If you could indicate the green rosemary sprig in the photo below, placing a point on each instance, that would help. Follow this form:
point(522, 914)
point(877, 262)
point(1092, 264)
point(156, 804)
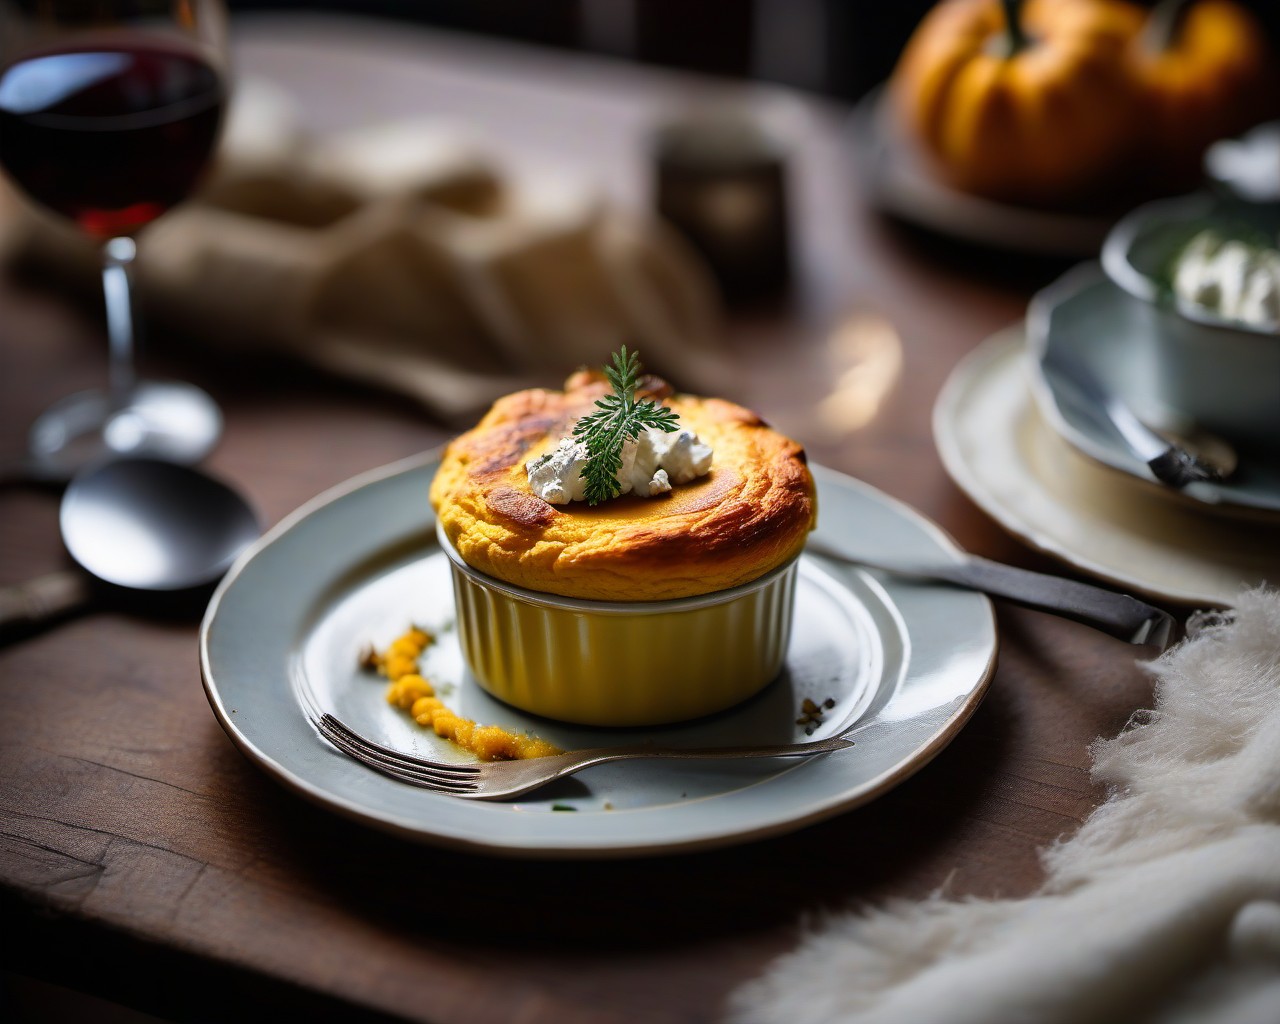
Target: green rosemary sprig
point(618, 418)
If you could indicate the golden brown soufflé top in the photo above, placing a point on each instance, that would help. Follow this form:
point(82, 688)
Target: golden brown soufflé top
point(750, 514)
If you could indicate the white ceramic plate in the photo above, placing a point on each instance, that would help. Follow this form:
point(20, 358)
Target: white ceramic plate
point(906, 662)
point(1002, 453)
point(899, 183)
point(1092, 320)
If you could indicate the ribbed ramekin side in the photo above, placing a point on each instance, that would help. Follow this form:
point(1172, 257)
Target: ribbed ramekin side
point(616, 670)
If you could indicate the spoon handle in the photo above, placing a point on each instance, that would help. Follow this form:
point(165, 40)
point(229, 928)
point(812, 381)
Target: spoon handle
point(25, 606)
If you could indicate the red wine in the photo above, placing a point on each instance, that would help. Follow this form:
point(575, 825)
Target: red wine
point(109, 137)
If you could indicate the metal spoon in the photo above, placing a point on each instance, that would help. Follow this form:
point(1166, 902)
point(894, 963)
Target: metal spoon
point(139, 524)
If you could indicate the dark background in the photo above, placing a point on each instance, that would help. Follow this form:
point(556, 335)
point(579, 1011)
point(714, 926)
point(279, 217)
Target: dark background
point(835, 47)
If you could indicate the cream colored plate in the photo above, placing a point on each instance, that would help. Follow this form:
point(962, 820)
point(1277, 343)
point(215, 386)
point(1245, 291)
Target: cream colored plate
point(905, 664)
point(997, 448)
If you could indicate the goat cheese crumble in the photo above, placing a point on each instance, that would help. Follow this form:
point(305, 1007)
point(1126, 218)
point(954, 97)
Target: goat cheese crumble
point(1234, 279)
point(651, 465)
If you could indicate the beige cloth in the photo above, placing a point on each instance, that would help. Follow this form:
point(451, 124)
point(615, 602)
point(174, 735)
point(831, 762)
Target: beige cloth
point(1163, 909)
point(398, 254)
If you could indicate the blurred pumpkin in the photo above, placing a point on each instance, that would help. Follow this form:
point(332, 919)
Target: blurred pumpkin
point(1025, 102)
point(1206, 73)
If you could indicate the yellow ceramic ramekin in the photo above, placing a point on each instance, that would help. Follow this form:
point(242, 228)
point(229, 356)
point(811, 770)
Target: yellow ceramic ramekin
point(622, 662)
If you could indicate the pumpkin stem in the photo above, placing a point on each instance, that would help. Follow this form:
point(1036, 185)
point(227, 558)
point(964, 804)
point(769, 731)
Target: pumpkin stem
point(1163, 25)
point(1016, 38)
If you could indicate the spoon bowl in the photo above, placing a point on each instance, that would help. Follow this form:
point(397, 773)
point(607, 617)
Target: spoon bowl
point(151, 525)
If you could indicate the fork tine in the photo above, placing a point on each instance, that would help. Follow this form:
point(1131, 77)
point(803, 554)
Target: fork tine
point(401, 770)
point(404, 766)
point(416, 776)
point(461, 770)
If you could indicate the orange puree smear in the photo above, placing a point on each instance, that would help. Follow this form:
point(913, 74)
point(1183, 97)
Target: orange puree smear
point(411, 692)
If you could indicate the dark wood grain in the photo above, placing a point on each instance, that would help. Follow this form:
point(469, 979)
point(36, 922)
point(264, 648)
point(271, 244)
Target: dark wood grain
point(143, 858)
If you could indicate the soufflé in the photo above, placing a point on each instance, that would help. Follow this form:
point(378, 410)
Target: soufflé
point(622, 555)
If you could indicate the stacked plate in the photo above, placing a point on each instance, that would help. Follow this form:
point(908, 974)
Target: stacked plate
point(1039, 459)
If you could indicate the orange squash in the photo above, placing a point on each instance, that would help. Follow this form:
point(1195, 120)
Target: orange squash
point(1028, 103)
point(1206, 73)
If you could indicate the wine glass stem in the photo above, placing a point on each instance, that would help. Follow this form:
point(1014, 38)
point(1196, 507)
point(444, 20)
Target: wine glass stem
point(117, 286)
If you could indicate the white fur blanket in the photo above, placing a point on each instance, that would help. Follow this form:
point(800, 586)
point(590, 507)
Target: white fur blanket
point(1164, 907)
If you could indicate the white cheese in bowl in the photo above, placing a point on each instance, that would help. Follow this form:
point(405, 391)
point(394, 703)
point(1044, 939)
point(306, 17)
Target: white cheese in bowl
point(651, 464)
point(1235, 280)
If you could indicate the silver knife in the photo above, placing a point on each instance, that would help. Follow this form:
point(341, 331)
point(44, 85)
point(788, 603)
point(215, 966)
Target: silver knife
point(1118, 615)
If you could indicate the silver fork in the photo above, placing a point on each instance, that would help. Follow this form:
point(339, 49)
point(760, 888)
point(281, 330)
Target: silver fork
point(493, 780)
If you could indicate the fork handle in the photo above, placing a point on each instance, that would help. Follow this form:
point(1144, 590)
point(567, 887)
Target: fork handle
point(587, 758)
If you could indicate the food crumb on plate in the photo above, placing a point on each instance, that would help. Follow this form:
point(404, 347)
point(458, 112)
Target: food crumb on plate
point(410, 691)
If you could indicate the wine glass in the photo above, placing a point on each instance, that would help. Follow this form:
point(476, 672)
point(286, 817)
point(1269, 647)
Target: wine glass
point(109, 113)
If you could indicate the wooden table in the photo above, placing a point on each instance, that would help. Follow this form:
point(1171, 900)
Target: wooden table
point(145, 860)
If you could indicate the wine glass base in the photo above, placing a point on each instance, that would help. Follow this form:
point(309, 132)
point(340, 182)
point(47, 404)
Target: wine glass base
point(164, 420)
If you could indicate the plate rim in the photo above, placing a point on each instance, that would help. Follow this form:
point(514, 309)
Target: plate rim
point(1003, 345)
point(955, 720)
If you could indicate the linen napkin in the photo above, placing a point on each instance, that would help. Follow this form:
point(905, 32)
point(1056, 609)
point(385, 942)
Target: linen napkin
point(399, 254)
point(1164, 907)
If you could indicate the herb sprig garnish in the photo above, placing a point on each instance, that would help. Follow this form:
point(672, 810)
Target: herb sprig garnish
point(618, 418)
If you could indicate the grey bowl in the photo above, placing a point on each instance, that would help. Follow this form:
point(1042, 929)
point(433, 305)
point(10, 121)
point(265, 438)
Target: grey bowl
point(1219, 374)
